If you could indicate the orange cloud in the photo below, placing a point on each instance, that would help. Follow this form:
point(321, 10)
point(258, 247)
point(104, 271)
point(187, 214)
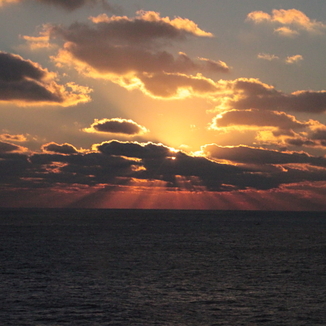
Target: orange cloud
point(16, 138)
point(117, 126)
point(292, 21)
point(294, 59)
point(177, 86)
point(42, 41)
point(289, 60)
point(129, 52)
point(259, 17)
point(266, 56)
point(286, 32)
point(26, 83)
point(178, 23)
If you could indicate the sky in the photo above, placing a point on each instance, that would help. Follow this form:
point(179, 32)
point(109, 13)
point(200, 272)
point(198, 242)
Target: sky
point(163, 104)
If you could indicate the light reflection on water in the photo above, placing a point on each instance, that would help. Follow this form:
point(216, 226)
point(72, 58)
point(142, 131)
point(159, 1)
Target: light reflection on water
point(102, 267)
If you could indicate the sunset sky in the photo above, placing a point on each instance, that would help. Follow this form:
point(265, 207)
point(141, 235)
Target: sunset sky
point(163, 104)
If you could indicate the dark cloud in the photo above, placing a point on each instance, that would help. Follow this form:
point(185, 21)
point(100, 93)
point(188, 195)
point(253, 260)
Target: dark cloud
point(80, 168)
point(59, 148)
point(251, 93)
point(250, 155)
point(316, 137)
point(134, 149)
point(299, 142)
point(71, 5)
point(283, 123)
point(13, 167)
point(129, 52)
point(116, 125)
point(130, 163)
point(14, 68)
point(8, 147)
point(25, 82)
point(319, 134)
point(160, 163)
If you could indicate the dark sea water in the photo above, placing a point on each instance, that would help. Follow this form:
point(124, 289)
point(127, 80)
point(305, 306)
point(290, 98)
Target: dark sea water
point(126, 267)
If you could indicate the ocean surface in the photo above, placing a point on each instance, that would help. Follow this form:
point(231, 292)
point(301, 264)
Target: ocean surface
point(135, 267)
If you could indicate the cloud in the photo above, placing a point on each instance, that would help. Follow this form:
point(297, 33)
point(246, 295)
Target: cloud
point(286, 32)
point(264, 170)
point(294, 59)
point(177, 86)
point(316, 138)
point(302, 141)
point(162, 26)
point(16, 138)
point(313, 136)
point(130, 164)
point(116, 126)
point(42, 41)
point(11, 148)
point(214, 66)
point(279, 123)
point(26, 83)
point(59, 148)
point(251, 155)
point(244, 93)
point(130, 52)
point(319, 134)
point(134, 149)
point(13, 168)
point(69, 5)
point(266, 56)
point(292, 21)
point(160, 162)
point(272, 57)
point(83, 168)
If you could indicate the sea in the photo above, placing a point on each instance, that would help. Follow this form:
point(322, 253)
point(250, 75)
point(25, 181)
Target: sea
point(162, 267)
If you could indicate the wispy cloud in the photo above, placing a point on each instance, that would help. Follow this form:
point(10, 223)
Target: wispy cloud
point(266, 56)
point(294, 59)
